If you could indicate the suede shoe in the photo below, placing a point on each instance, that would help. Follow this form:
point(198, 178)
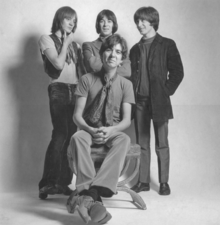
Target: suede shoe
point(164, 189)
point(72, 202)
point(88, 209)
point(106, 219)
point(141, 187)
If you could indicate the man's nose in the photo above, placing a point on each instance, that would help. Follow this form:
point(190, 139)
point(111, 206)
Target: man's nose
point(139, 23)
point(113, 53)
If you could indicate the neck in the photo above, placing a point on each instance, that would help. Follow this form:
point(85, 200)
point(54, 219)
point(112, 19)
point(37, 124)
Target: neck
point(150, 34)
point(110, 73)
point(58, 34)
point(104, 37)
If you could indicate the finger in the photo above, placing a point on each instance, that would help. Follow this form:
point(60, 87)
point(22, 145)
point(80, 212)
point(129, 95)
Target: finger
point(64, 34)
point(98, 135)
point(98, 142)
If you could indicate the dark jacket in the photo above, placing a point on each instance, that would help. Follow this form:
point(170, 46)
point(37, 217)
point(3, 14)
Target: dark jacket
point(165, 71)
point(93, 61)
point(55, 73)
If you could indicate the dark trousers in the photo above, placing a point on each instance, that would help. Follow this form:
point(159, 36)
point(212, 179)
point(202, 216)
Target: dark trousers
point(62, 103)
point(142, 128)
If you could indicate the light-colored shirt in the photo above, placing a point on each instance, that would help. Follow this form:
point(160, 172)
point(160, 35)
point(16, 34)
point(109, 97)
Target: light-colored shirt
point(90, 85)
point(68, 74)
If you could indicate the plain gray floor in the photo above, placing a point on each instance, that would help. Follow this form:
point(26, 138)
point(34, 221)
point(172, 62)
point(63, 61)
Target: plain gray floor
point(183, 206)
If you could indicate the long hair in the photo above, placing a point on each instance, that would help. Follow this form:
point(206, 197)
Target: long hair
point(111, 16)
point(60, 15)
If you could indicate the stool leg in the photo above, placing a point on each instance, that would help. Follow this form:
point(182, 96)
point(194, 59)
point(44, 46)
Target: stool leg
point(135, 196)
point(121, 185)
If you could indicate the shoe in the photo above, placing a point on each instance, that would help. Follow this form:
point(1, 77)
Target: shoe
point(164, 189)
point(141, 187)
point(106, 219)
point(43, 196)
point(47, 190)
point(64, 190)
point(72, 202)
point(88, 209)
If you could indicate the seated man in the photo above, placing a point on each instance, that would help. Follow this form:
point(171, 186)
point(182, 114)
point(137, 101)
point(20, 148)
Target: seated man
point(102, 112)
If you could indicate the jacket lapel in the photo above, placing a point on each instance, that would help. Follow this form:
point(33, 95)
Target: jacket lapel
point(97, 44)
point(158, 39)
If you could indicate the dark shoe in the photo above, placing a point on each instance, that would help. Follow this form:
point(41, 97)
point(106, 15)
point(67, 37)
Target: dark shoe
point(141, 187)
point(164, 189)
point(64, 190)
point(43, 196)
point(47, 190)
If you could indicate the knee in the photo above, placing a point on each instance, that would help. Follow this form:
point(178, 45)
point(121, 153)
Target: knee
point(78, 136)
point(124, 138)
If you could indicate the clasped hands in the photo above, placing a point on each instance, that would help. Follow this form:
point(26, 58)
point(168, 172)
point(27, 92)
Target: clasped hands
point(100, 135)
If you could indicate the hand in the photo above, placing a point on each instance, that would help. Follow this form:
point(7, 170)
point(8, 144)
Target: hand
point(98, 137)
point(106, 131)
point(68, 38)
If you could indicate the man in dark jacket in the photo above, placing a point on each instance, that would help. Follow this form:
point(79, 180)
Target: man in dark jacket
point(157, 71)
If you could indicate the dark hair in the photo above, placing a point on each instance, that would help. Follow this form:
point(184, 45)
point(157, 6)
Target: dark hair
point(111, 16)
point(113, 40)
point(60, 15)
point(148, 13)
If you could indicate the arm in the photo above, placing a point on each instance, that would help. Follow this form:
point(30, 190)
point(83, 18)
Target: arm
point(93, 62)
point(58, 61)
point(78, 115)
point(81, 123)
point(175, 69)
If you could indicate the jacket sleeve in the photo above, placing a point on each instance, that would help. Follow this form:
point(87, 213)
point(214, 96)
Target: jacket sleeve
point(175, 69)
point(92, 62)
point(125, 69)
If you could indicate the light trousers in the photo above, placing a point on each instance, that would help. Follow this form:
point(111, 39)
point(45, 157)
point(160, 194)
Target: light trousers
point(81, 163)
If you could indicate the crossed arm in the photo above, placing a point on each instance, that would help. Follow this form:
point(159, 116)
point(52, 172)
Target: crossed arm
point(58, 61)
point(100, 135)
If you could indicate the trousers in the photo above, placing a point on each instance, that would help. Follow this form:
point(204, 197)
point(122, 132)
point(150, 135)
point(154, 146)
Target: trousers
point(80, 161)
point(62, 103)
point(142, 122)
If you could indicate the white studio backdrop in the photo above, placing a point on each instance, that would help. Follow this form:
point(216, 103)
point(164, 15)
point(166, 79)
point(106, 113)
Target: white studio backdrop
point(24, 115)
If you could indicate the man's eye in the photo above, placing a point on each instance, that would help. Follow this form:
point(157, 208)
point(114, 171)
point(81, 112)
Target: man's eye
point(118, 52)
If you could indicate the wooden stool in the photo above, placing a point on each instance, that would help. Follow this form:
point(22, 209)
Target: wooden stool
point(98, 155)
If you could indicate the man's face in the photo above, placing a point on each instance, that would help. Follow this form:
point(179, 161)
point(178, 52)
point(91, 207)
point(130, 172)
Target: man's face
point(112, 57)
point(68, 24)
point(144, 27)
point(106, 26)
